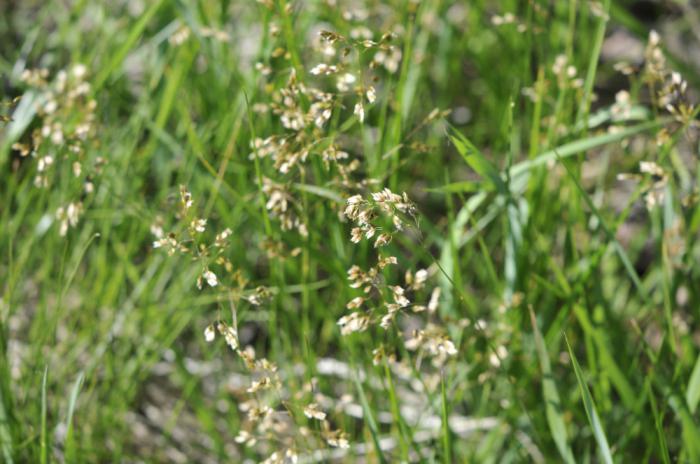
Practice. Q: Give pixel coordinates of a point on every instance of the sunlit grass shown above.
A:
(355, 231)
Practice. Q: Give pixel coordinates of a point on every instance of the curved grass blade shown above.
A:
(119, 56)
(21, 119)
(626, 262)
(395, 411)
(373, 429)
(320, 192)
(476, 160)
(555, 420)
(658, 422)
(70, 440)
(519, 172)
(591, 411)
(627, 394)
(578, 146)
(690, 432)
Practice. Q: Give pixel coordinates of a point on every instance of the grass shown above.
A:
(542, 305)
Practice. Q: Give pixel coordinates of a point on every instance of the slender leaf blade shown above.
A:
(589, 406)
(44, 407)
(555, 419)
(692, 394)
(73, 399)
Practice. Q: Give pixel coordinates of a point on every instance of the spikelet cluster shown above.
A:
(668, 93)
(62, 144)
(669, 89)
(380, 302)
(305, 107)
(273, 419)
(191, 236)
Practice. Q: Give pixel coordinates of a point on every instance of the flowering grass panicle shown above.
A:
(382, 302)
(349, 231)
(63, 144)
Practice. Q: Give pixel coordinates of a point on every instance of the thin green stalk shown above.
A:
(44, 408)
(258, 170)
(585, 104)
(446, 439)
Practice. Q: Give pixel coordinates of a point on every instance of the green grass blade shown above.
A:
(258, 169)
(371, 422)
(405, 434)
(555, 418)
(585, 104)
(320, 192)
(6, 417)
(70, 436)
(579, 146)
(5, 435)
(658, 423)
(446, 445)
(626, 262)
(590, 408)
(460, 187)
(22, 117)
(174, 78)
(476, 160)
(131, 39)
(691, 434)
(607, 360)
(44, 407)
(692, 394)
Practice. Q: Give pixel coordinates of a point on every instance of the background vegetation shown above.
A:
(548, 148)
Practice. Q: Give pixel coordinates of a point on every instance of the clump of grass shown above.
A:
(347, 231)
